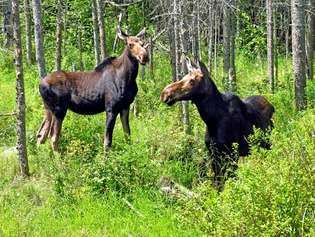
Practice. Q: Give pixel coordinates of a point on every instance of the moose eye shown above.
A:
(130, 46)
(192, 82)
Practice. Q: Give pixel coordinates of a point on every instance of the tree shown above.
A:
(20, 98)
(183, 50)
(39, 41)
(210, 33)
(96, 34)
(58, 35)
(298, 50)
(28, 33)
(226, 43)
(229, 46)
(270, 45)
(7, 24)
(100, 17)
(310, 38)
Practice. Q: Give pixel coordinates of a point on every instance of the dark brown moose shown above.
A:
(228, 119)
(111, 87)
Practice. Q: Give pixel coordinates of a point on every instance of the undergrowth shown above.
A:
(80, 193)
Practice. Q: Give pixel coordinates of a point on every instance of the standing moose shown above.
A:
(228, 118)
(111, 87)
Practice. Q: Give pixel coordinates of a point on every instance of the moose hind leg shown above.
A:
(44, 128)
(59, 112)
(55, 132)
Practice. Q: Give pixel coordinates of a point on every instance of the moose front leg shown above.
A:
(109, 128)
(124, 117)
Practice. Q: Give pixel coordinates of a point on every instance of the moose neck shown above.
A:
(209, 102)
(129, 58)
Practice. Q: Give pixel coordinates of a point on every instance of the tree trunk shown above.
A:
(216, 41)
(7, 24)
(80, 49)
(96, 35)
(20, 99)
(196, 31)
(226, 43)
(310, 38)
(28, 32)
(210, 33)
(275, 47)
(270, 48)
(298, 50)
(101, 27)
(39, 44)
(151, 58)
(232, 70)
(183, 50)
(59, 35)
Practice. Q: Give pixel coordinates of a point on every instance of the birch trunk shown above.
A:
(28, 32)
(298, 50)
(20, 98)
(39, 41)
(101, 27)
(310, 38)
(270, 45)
(210, 34)
(7, 24)
(226, 43)
(58, 36)
(96, 35)
(232, 70)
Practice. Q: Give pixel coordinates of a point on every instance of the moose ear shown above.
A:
(188, 64)
(141, 33)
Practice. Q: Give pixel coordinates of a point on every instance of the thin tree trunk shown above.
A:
(20, 99)
(196, 31)
(28, 32)
(80, 48)
(101, 27)
(270, 45)
(226, 43)
(210, 33)
(96, 35)
(310, 38)
(183, 51)
(7, 24)
(275, 47)
(216, 40)
(59, 35)
(232, 70)
(298, 50)
(287, 51)
(151, 58)
(39, 41)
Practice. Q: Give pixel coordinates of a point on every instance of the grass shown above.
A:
(79, 193)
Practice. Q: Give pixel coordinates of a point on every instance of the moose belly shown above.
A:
(87, 105)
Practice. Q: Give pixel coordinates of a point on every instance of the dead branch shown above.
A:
(9, 114)
(122, 5)
(162, 47)
(116, 36)
(132, 207)
(169, 187)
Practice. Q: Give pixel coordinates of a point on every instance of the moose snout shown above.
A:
(166, 95)
(144, 58)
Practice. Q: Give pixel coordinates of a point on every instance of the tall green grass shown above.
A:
(79, 193)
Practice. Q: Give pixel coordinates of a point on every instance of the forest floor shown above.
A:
(79, 193)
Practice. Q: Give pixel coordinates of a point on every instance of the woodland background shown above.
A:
(250, 47)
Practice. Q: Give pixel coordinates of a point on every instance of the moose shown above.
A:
(228, 119)
(111, 87)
